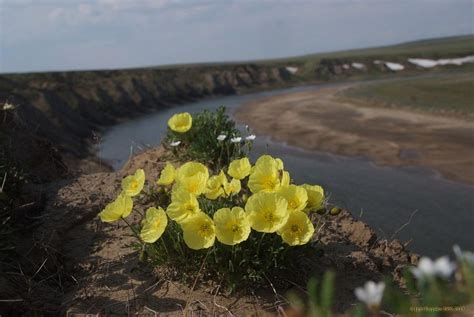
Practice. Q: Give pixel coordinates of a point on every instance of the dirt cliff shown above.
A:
(67, 108)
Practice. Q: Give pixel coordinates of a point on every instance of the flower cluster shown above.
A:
(208, 137)
(274, 205)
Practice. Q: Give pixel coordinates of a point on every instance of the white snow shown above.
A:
(358, 65)
(346, 66)
(394, 66)
(428, 63)
(292, 70)
(377, 62)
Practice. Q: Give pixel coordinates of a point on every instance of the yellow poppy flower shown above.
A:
(167, 175)
(132, 185)
(180, 122)
(296, 196)
(267, 212)
(233, 187)
(264, 178)
(232, 226)
(199, 232)
(193, 176)
(239, 169)
(120, 208)
(154, 224)
(184, 205)
(215, 186)
(298, 230)
(315, 197)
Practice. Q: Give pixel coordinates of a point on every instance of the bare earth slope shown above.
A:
(320, 120)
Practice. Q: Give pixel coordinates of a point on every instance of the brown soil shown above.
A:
(98, 271)
(320, 120)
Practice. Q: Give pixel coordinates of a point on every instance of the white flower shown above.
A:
(8, 106)
(221, 137)
(236, 139)
(427, 268)
(175, 143)
(463, 255)
(371, 294)
(251, 137)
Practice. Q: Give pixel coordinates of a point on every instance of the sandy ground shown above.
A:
(98, 272)
(321, 120)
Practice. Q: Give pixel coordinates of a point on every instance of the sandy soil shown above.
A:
(321, 120)
(96, 271)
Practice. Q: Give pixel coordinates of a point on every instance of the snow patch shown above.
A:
(394, 66)
(346, 66)
(429, 63)
(292, 70)
(358, 65)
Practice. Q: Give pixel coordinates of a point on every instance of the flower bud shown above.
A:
(335, 211)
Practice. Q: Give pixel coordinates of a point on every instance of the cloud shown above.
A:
(78, 34)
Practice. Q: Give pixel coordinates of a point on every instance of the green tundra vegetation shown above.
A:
(448, 92)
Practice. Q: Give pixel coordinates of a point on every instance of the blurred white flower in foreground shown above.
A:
(427, 268)
(371, 294)
(175, 143)
(463, 255)
(8, 106)
(251, 137)
(236, 139)
(221, 137)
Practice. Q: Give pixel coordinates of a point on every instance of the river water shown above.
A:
(440, 212)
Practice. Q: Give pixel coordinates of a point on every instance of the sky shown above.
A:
(45, 35)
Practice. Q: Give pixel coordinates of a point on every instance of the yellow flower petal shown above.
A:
(239, 169)
(285, 179)
(120, 208)
(215, 185)
(193, 176)
(266, 160)
(233, 187)
(280, 164)
(267, 212)
(298, 230)
(154, 224)
(184, 205)
(296, 196)
(232, 226)
(180, 122)
(132, 185)
(167, 175)
(195, 184)
(199, 232)
(315, 197)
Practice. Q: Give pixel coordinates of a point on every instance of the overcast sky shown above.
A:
(37, 35)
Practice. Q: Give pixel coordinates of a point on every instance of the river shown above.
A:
(439, 212)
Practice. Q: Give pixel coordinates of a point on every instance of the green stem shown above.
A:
(135, 233)
(259, 244)
(166, 249)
